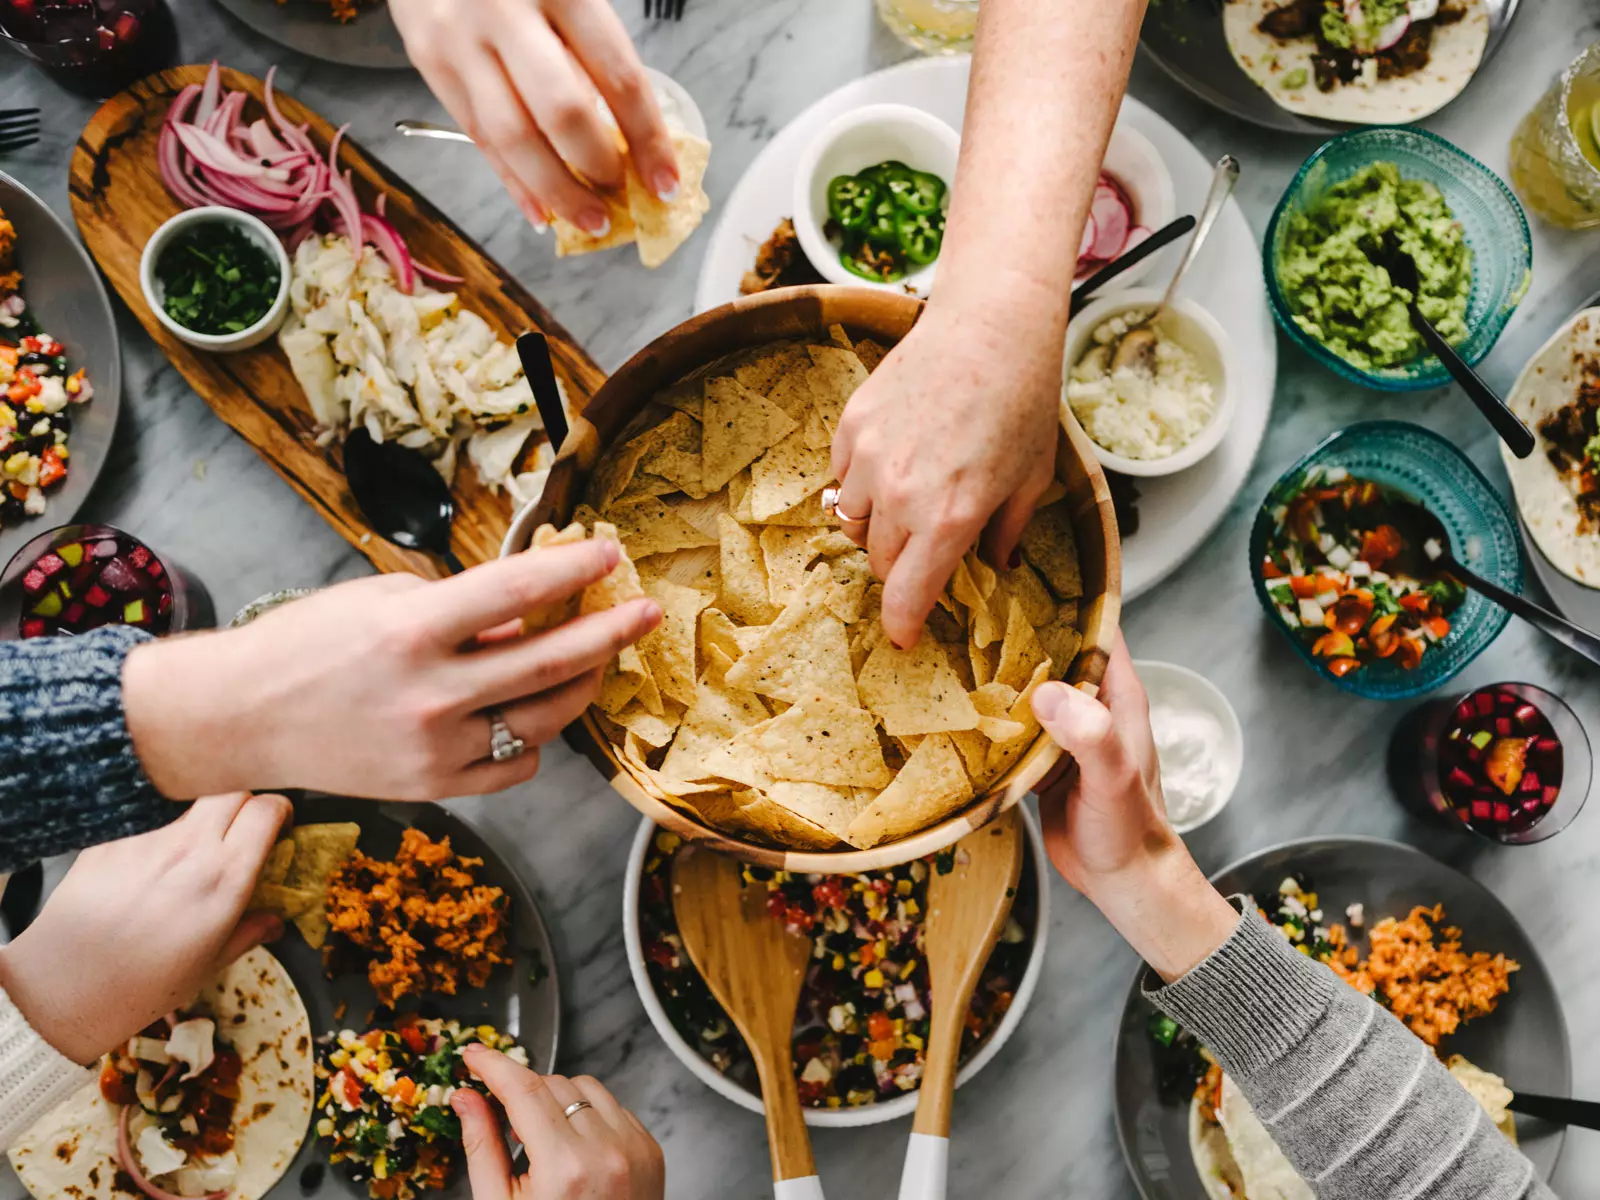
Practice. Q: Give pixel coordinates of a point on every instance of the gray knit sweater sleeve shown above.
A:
(1357, 1103)
(69, 777)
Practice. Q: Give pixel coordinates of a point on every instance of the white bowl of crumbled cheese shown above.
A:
(1199, 742)
(1153, 400)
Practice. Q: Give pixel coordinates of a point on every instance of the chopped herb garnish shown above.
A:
(215, 280)
(944, 862)
(440, 1121)
(538, 969)
(1163, 1028)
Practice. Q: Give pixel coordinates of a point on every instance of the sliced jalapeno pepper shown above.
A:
(867, 261)
(924, 193)
(851, 200)
(882, 229)
(883, 170)
(919, 236)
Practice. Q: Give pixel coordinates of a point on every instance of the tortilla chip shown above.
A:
(674, 454)
(614, 473)
(994, 702)
(687, 396)
(719, 713)
(807, 513)
(932, 785)
(1037, 603)
(870, 354)
(839, 337)
(1003, 754)
(983, 662)
(319, 850)
(276, 868)
(288, 903)
(786, 474)
(717, 633)
(985, 627)
(661, 226)
(803, 655)
(815, 741)
(973, 747)
(792, 390)
(832, 808)
(570, 240)
(623, 680)
(653, 730)
(1020, 653)
(757, 816)
(740, 425)
(786, 553)
(1061, 641)
(832, 544)
(669, 649)
(765, 370)
(847, 594)
(835, 375)
(914, 690)
(654, 527)
(1049, 544)
(621, 585)
(745, 591)
(641, 486)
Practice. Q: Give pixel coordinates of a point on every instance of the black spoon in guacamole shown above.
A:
(1426, 554)
(1402, 270)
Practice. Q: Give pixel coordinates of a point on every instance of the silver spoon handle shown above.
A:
(427, 129)
(1223, 178)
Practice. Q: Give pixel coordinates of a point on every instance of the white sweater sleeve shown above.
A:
(34, 1077)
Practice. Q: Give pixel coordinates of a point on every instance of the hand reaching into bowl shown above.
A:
(382, 687)
(521, 76)
(138, 926)
(598, 1152)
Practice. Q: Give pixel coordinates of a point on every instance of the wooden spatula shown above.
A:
(967, 911)
(754, 967)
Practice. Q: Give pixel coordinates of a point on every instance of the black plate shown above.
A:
(1524, 1039)
(65, 294)
(371, 40)
(1185, 39)
(512, 1002)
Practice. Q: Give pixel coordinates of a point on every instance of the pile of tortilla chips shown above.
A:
(638, 216)
(294, 881)
(769, 703)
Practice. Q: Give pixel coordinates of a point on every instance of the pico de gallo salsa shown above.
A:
(1338, 570)
(862, 1022)
(38, 388)
(383, 1101)
(177, 1085)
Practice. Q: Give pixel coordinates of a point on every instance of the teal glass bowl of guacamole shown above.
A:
(1382, 189)
(1417, 464)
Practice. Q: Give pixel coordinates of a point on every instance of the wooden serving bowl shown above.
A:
(806, 312)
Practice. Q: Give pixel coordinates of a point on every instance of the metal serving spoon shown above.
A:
(427, 129)
(1402, 270)
(401, 496)
(1139, 341)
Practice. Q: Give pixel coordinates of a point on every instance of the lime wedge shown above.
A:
(1587, 129)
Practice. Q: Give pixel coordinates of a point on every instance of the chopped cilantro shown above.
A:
(439, 1067)
(1383, 600)
(945, 861)
(216, 280)
(1446, 593)
(442, 1122)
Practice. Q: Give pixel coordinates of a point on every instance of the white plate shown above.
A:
(1175, 513)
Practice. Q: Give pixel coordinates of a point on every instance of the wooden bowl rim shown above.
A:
(1036, 763)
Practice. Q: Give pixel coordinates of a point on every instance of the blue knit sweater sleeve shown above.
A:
(69, 777)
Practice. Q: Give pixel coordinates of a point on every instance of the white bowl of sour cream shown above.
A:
(1198, 739)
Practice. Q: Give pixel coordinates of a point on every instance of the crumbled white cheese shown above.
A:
(816, 1072)
(157, 1155)
(1356, 914)
(1146, 411)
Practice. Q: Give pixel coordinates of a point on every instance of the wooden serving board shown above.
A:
(119, 200)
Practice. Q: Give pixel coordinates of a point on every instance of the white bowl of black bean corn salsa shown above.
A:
(863, 1014)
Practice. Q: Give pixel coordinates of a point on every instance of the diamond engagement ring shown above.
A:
(503, 744)
(577, 1106)
(830, 505)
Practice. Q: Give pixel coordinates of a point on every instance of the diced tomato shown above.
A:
(1438, 626)
(880, 1027)
(1352, 611)
(1409, 655)
(346, 1087)
(1416, 602)
(405, 1089)
(1385, 642)
(1271, 570)
(414, 1038)
(883, 1050)
(1340, 667)
(51, 468)
(117, 1088)
(812, 1093)
(1333, 645)
(661, 954)
(777, 905)
(1303, 586)
(1380, 546)
(25, 386)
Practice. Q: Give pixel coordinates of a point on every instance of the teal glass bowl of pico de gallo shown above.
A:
(1342, 564)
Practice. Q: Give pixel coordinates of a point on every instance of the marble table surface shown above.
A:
(1038, 1122)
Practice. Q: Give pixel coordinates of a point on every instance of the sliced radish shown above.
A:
(1112, 222)
(1393, 31)
(1086, 243)
(1135, 235)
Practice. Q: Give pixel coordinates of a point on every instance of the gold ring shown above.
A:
(577, 1106)
(830, 505)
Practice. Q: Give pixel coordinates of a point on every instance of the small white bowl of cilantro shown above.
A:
(216, 278)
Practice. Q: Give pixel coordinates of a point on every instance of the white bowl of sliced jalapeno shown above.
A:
(870, 197)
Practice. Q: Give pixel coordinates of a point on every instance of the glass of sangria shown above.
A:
(81, 577)
(1509, 761)
(92, 47)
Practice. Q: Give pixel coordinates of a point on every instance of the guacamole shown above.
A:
(1336, 293)
(1361, 37)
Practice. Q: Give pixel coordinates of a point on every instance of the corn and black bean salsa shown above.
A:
(862, 1022)
(383, 1101)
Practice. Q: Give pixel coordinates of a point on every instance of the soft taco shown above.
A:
(1558, 485)
(215, 1097)
(1370, 62)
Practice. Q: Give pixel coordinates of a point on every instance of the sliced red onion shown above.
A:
(239, 193)
(264, 143)
(434, 275)
(209, 151)
(210, 94)
(129, 1162)
(382, 206)
(1393, 31)
(1112, 222)
(393, 248)
(299, 234)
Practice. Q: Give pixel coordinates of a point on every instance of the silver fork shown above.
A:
(664, 10)
(19, 128)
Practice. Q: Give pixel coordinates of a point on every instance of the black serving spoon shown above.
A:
(1165, 236)
(1423, 534)
(534, 351)
(1558, 1109)
(401, 496)
(1402, 270)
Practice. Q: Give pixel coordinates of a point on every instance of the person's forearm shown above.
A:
(1166, 909)
(1047, 80)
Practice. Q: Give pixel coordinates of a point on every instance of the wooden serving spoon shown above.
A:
(967, 911)
(754, 967)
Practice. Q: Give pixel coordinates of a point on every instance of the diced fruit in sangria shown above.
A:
(1550, 794)
(1547, 747)
(135, 612)
(1530, 783)
(34, 581)
(97, 596)
(1480, 810)
(1502, 726)
(1481, 739)
(140, 557)
(118, 576)
(1526, 715)
(71, 553)
(1531, 804)
(1465, 711)
(1459, 778)
(155, 570)
(164, 605)
(1502, 811)
(48, 606)
(1484, 702)
(33, 627)
(1507, 760)
(50, 564)
(107, 548)
(72, 614)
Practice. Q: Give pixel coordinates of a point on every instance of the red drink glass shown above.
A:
(77, 578)
(92, 47)
(1508, 761)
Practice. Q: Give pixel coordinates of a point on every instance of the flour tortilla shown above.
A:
(72, 1150)
(1547, 384)
(1213, 1160)
(1454, 55)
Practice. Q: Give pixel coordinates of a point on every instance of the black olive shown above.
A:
(61, 421)
(34, 359)
(354, 1171)
(857, 1077)
(311, 1177)
(11, 508)
(851, 1044)
(402, 1156)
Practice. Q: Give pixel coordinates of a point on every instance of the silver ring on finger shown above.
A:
(577, 1106)
(503, 744)
(830, 505)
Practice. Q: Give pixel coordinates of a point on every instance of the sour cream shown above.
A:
(1198, 742)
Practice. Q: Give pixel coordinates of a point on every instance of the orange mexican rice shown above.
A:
(343, 10)
(420, 923)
